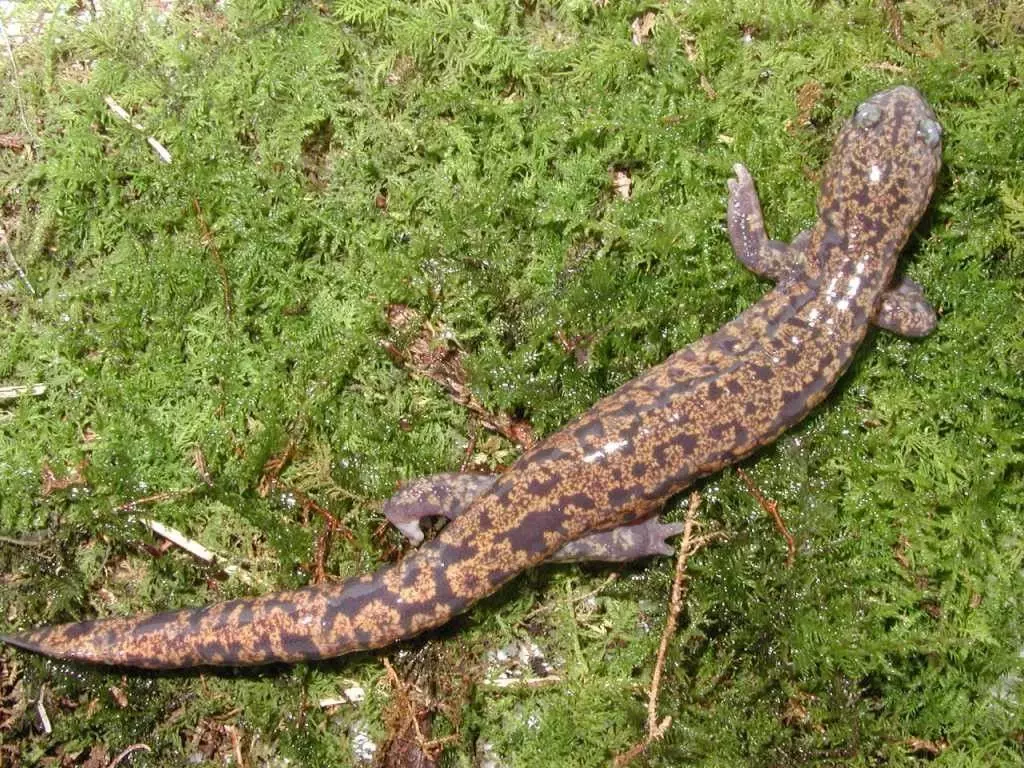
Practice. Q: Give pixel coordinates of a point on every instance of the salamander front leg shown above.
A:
(905, 311)
(444, 495)
(771, 259)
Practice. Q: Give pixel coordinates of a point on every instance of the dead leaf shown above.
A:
(705, 85)
(73, 478)
(622, 182)
(927, 746)
(11, 141)
(807, 99)
(119, 696)
(199, 462)
(899, 552)
(642, 26)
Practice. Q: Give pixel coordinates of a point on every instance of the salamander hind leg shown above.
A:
(771, 259)
(618, 545)
(905, 311)
(445, 495)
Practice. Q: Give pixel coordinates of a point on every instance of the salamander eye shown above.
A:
(929, 131)
(867, 115)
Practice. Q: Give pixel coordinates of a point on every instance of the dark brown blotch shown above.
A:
(299, 645)
(542, 486)
(578, 500)
(624, 496)
(590, 431)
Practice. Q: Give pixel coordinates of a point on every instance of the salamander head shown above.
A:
(882, 171)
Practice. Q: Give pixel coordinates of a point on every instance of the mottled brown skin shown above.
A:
(707, 406)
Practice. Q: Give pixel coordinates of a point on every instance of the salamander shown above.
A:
(593, 489)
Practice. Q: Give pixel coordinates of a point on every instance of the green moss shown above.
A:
(492, 130)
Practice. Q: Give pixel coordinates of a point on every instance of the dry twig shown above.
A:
(14, 262)
(429, 747)
(130, 506)
(21, 390)
(210, 244)
(16, 78)
(127, 751)
(576, 601)
(44, 718)
(688, 547)
(772, 508)
(236, 745)
(430, 355)
(121, 112)
(195, 549)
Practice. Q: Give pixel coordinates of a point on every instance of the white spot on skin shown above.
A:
(852, 286)
(843, 304)
(833, 284)
(606, 450)
(875, 174)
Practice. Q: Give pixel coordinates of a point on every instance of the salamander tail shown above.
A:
(317, 622)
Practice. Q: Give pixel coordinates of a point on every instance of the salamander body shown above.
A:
(593, 489)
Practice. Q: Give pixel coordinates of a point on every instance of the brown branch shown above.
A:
(321, 553)
(324, 540)
(127, 751)
(431, 748)
(207, 239)
(14, 262)
(772, 508)
(130, 506)
(429, 354)
(688, 547)
(273, 467)
(309, 505)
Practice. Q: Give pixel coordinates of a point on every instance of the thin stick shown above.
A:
(16, 78)
(208, 241)
(44, 718)
(121, 112)
(127, 751)
(194, 548)
(179, 539)
(671, 622)
(14, 261)
(772, 508)
(575, 601)
(20, 390)
(129, 506)
(236, 744)
(688, 546)
(21, 542)
(522, 682)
